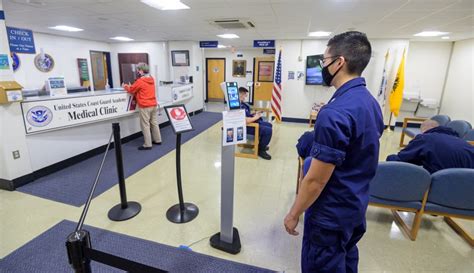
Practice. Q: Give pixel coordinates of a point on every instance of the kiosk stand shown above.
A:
(179, 119)
(234, 132)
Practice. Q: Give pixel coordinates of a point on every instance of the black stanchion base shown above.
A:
(232, 248)
(175, 215)
(117, 213)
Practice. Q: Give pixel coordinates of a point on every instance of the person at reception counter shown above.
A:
(144, 91)
(437, 148)
(334, 192)
(264, 128)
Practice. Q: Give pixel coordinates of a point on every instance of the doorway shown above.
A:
(127, 65)
(101, 69)
(264, 70)
(215, 75)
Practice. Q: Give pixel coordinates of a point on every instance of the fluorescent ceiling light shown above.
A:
(221, 46)
(430, 33)
(228, 36)
(121, 38)
(445, 37)
(319, 34)
(66, 28)
(165, 4)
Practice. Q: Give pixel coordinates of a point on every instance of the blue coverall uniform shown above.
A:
(264, 128)
(305, 144)
(436, 149)
(347, 132)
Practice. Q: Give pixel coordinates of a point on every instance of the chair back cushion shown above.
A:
(441, 119)
(453, 188)
(400, 181)
(460, 126)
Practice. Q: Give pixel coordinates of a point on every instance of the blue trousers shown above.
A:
(265, 134)
(329, 250)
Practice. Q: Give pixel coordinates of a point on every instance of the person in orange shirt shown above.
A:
(144, 91)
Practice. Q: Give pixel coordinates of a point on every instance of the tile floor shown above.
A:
(264, 191)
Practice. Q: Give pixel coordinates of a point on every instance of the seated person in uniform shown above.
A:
(264, 128)
(437, 148)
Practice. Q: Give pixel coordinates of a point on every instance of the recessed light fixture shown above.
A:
(222, 46)
(445, 37)
(121, 38)
(66, 28)
(430, 33)
(165, 4)
(228, 36)
(319, 34)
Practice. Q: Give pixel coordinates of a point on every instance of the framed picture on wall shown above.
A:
(238, 68)
(265, 71)
(180, 57)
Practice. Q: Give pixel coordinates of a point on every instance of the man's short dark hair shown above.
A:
(243, 90)
(354, 47)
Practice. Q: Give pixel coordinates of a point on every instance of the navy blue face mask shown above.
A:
(327, 77)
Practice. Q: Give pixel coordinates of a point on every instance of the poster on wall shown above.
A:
(15, 61)
(4, 65)
(83, 72)
(21, 40)
(179, 119)
(180, 57)
(44, 62)
(234, 127)
(265, 71)
(51, 114)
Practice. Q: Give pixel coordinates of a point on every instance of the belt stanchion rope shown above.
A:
(125, 210)
(78, 243)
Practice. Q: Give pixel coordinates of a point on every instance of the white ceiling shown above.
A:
(274, 19)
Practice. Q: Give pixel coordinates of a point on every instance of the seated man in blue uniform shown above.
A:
(264, 128)
(437, 148)
(334, 193)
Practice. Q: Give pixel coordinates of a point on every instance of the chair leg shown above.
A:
(402, 139)
(412, 231)
(464, 234)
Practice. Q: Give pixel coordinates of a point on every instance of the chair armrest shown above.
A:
(471, 142)
(253, 124)
(406, 120)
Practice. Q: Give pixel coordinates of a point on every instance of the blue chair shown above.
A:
(460, 126)
(441, 119)
(469, 136)
(401, 186)
(452, 195)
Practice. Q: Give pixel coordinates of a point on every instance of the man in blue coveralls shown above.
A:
(334, 193)
(437, 148)
(264, 128)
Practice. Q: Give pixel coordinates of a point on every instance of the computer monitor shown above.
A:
(231, 93)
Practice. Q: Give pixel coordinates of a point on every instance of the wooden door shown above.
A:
(264, 73)
(215, 76)
(99, 70)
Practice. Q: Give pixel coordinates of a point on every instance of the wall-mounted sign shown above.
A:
(44, 62)
(52, 114)
(4, 65)
(269, 51)
(179, 119)
(83, 72)
(264, 43)
(15, 61)
(21, 40)
(208, 44)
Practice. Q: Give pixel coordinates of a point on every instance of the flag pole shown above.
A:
(389, 129)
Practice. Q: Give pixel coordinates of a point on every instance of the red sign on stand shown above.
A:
(179, 119)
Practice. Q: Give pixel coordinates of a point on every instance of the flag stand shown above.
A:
(389, 129)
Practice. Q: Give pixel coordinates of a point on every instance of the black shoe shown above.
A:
(141, 148)
(264, 155)
(156, 143)
(267, 148)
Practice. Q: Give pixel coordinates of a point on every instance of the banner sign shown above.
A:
(53, 114)
(179, 119)
(21, 40)
(264, 43)
(208, 44)
(234, 126)
(269, 51)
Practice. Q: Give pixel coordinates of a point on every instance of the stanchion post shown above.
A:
(75, 244)
(125, 210)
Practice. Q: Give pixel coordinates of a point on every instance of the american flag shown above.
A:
(276, 94)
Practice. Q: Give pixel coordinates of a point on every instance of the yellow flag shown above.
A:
(396, 95)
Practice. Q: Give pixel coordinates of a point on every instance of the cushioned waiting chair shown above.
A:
(460, 126)
(469, 136)
(401, 186)
(443, 120)
(452, 195)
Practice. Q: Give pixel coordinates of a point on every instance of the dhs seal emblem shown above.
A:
(39, 116)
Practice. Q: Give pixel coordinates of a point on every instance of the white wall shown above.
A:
(247, 55)
(65, 52)
(297, 97)
(458, 99)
